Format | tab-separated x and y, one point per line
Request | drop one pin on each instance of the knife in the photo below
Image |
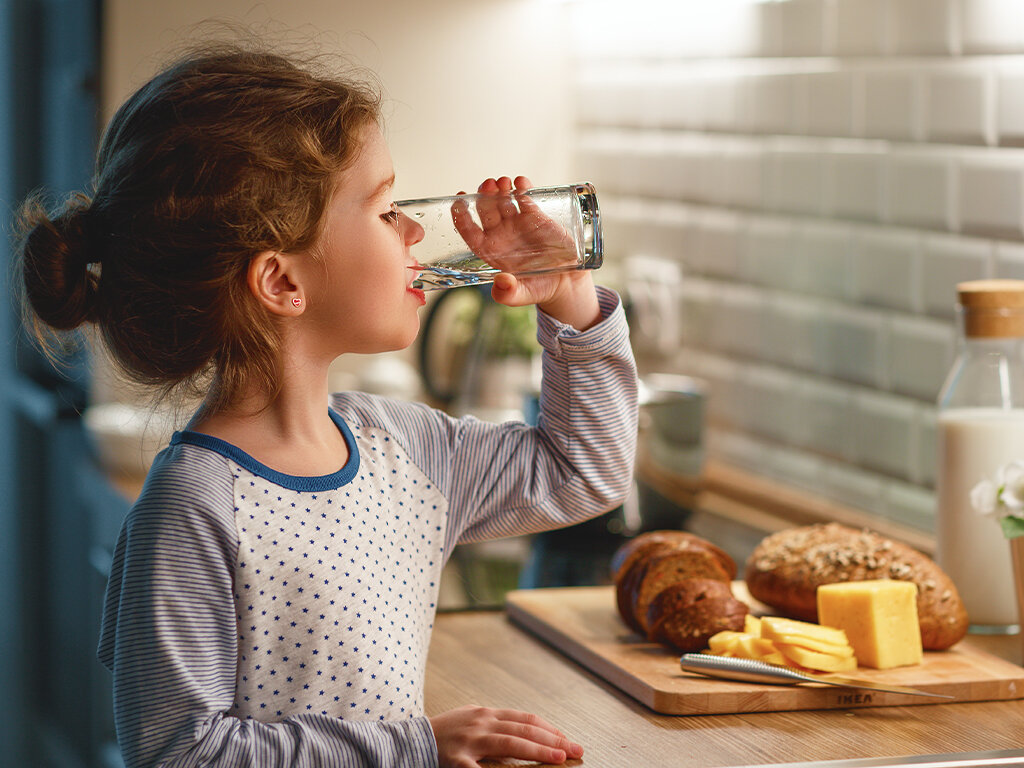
753	671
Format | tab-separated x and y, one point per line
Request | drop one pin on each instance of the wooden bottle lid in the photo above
992	308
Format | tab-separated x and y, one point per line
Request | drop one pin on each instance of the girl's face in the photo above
362	299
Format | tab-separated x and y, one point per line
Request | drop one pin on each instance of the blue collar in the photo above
292	482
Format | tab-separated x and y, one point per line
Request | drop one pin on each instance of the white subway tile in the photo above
717	242
794	468
792	331
803	27
743	171
855	184
861	27
919	188
722	376
737	325
852	343
886	268
769	25
637	227
948	260
821	259
736	448
720	102
991	26
1010	104
683	161
826	422
960	105
853	487
991	193
919	351
893	104
698	298
829	103
910	505
598	158
922	27
772	408
885	430
1009	260
770	102
768	251
639	166
795	179
669	232
678	95
927	448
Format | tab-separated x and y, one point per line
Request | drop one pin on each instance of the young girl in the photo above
273	588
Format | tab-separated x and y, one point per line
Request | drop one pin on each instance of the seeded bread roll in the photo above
786	569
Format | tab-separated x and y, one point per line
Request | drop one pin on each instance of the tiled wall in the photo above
821	173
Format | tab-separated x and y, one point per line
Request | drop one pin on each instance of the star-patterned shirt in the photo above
257	618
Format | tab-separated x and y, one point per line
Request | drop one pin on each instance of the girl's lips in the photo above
417	292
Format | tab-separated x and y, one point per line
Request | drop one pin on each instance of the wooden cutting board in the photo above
582	623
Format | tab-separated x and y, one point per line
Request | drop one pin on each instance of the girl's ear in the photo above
271	280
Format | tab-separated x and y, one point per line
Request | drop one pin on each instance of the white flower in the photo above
1012	483
984	497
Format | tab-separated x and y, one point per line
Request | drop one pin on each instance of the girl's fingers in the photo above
536	730
503	746
527	718
487	203
467	228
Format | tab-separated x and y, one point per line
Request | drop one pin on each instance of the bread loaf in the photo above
785	570
687	613
655	561
629	562
663	569
636	548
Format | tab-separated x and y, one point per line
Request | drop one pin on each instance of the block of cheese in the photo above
879	618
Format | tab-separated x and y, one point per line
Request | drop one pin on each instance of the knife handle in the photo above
746	670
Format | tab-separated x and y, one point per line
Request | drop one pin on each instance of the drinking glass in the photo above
469	238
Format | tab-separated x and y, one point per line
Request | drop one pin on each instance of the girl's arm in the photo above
170	633
511	479
578	462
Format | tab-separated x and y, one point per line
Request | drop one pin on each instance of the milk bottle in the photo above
981	428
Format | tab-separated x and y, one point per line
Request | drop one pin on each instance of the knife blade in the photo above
753	671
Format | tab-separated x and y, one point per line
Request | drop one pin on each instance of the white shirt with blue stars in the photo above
255	618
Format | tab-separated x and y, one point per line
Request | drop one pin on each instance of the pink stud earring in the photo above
297	301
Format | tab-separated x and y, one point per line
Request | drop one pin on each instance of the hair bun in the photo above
56	253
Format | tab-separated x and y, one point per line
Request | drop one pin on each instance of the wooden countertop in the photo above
479	657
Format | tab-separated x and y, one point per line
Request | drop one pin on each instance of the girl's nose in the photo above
412	232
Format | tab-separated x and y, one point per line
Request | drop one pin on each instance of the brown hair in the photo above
225	154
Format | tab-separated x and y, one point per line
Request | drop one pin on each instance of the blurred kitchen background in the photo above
790	191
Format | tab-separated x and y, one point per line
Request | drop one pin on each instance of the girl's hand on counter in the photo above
469	734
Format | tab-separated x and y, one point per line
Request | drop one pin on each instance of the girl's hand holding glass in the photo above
515	235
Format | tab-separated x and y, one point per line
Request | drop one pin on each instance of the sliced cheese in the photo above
752	625
815	660
879	618
774	627
724	642
814	644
